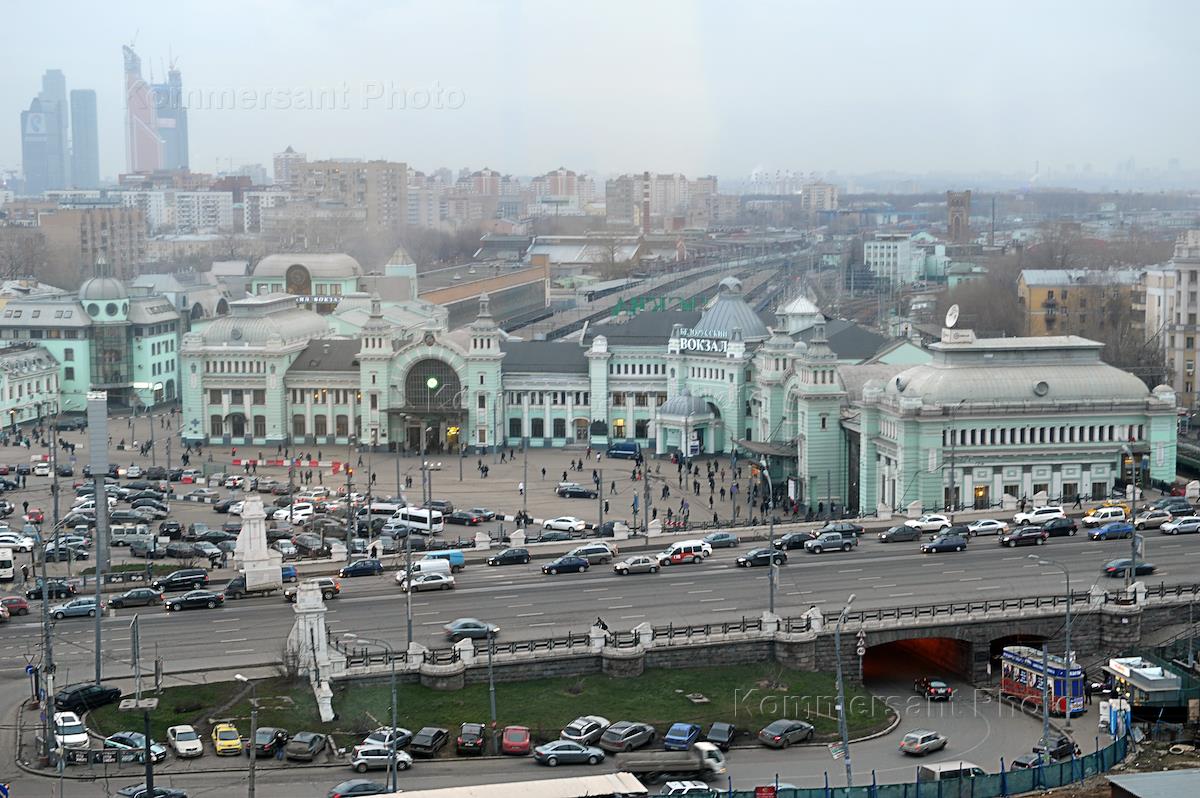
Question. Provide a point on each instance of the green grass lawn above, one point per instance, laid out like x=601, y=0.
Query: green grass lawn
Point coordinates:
x=747, y=695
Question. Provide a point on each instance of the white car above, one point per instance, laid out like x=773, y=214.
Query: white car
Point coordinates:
x=686, y=788
x=133, y=472
x=285, y=547
x=585, y=730
x=69, y=731
x=185, y=742
x=21, y=543
x=236, y=508
x=234, y=481
x=1039, y=515
x=705, y=548
x=430, y=581
x=565, y=523
x=1104, y=515
x=987, y=526
x=41, y=469
x=929, y=523
x=296, y=512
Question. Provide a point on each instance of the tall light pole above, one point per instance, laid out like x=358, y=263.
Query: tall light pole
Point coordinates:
x=491, y=644
x=392, y=666
x=1066, y=573
x=841, y=688
x=953, y=445
x=253, y=730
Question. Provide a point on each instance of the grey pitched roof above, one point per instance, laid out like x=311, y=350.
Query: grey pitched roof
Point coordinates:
x=646, y=328
x=730, y=310
x=848, y=339
x=328, y=354
x=547, y=356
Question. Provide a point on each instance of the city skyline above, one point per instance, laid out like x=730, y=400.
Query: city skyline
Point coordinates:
x=724, y=92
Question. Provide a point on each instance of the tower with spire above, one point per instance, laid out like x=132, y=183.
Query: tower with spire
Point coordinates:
x=374, y=358
x=483, y=388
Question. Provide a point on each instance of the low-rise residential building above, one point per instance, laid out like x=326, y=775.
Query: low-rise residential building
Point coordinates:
x=28, y=384
x=1059, y=301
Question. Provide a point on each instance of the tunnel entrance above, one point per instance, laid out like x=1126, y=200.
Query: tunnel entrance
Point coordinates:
x=925, y=656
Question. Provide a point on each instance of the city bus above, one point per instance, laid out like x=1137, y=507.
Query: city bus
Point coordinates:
x=1022, y=673
x=428, y=521
x=608, y=785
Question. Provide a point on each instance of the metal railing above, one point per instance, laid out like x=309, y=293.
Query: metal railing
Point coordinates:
x=671, y=631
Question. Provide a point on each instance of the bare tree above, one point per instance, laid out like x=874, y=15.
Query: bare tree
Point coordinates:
x=23, y=253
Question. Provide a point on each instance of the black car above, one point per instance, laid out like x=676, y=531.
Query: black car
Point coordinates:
x=575, y=492
x=761, y=557
x=945, y=542
x=900, y=534
x=224, y=505
x=194, y=600
x=428, y=741
x=180, y=550
x=1060, y=747
x=156, y=473
x=550, y=536
x=138, y=597
x=361, y=568
x=57, y=589
x=1060, y=527
x=183, y=579
x=463, y=518
x=151, y=503
x=55, y=553
x=509, y=557
x=842, y=528
x=214, y=536
x=1024, y=536
x=792, y=540
x=565, y=565
x=267, y=740
x=721, y=735
x=128, y=517
x=65, y=471
x=148, y=494
x=443, y=506
x=471, y=738
x=79, y=698
x=1116, y=568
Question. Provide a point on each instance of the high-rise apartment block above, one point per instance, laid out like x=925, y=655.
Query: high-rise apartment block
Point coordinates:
x=203, y=211
x=818, y=196
x=1173, y=314
x=285, y=166
x=378, y=187
x=76, y=238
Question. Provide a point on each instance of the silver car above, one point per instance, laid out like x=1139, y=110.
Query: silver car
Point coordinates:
x=626, y=735
x=920, y=742
x=637, y=564
x=585, y=730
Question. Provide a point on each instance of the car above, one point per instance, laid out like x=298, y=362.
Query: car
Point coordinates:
x=1060, y=527
x=1026, y=762
x=1116, y=568
x=472, y=737
x=944, y=543
x=55, y=588
x=626, y=735
x=573, y=491
x=135, y=741
x=18, y=542
x=484, y=513
x=179, y=550
x=383, y=737
x=15, y=605
x=84, y=607
x=898, y=534
x=361, y=568
x=585, y=729
x=1024, y=536
x=304, y=746
x=611, y=529
x=151, y=507
x=443, y=506
x=695, y=788
x=226, y=740
x=550, y=536
x=1152, y=518
x=330, y=588
x=140, y=791
x=194, y=600
x=1111, y=531
x=64, y=553
x=208, y=551
x=129, y=517
x=170, y=528
x=721, y=735
x=567, y=752
x=1175, y=505
x=565, y=565
x=783, y=732
x=69, y=731
x=421, y=582
x=565, y=523
x=516, y=740
x=286, y=548
x=184, y=741
x=267, y=740
x=792, y=540
x=183, y=579
x=920, y=742
x=147, y=549
x=933, y=689
x=1104, y=515
x=761, y=557
x=509, y=557
x=987, y=526
x=133, y=471
x=929, y=523
x=366, y=757
x=681, y=736
x=595, y=553
x=1039, y=515
x=463, y=518
x=637, y=564
x=1057, y=747
x=1184, y=525
x=355, y=787
x=80, y=698
x=469, y=628
x=830, y=541
x=429, y=740
x=722, y=540
x=137, y=597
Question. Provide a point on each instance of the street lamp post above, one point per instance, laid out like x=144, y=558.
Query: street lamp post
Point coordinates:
x=253, y=730
x=841, y=688
x=392, y=668
x=1067, y=574
x=491, y=644
x=953, y=445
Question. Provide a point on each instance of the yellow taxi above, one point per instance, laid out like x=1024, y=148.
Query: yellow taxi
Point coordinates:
x=226, y=739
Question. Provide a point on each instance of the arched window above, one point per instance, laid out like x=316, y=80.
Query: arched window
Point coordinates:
x=432, y=385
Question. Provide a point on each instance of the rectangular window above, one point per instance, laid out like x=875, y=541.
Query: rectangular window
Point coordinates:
x=215, y=426
x=619, y=428
x=481, y=403
x=537, y=428
x=641, y=428
x=319, y=425
x=69, y=374
x=618, y=400
x=298, y=425
x=639, y=400
x=69, y=355
x=374, y=401
x=260, y=426
x=341, y=426
x=260, y=396
x=214, y=397
x=236, y=396
x=560, y=428
x=514, y=428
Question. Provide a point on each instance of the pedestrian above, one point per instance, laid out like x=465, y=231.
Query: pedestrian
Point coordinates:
x=613, y=487
x=716, y=520
x=710, y=501
x=606, y=506
x=25, y=574
x=1087, y=686
x=564, y=479
x=360, y=461
x=521, y=488
x=722, y=493
x=502, y=457
x=543, y=472
x=1078, y=501
x=319, y=457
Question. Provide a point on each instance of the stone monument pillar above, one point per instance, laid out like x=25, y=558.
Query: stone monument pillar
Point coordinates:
x=259, y=564
x=308, y=646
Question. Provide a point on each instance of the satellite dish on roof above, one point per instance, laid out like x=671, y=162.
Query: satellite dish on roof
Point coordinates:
x=952, y=316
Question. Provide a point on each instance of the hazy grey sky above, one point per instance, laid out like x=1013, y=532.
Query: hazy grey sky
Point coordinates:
x=697, y=87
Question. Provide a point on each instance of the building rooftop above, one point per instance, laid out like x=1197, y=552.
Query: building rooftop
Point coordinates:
x=1069, y=277
x=544, y=356
x=328, y=354
x=730, y=311
x=319, y=265
x=1161, y=784
x=849, y=340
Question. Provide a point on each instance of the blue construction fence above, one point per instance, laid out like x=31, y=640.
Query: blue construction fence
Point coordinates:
x=990, y=785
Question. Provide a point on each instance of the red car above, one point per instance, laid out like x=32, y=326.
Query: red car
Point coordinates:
x=16, y=605
x=516, y=740
x=933, y=689
x=35, y=515
x=3, y=470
